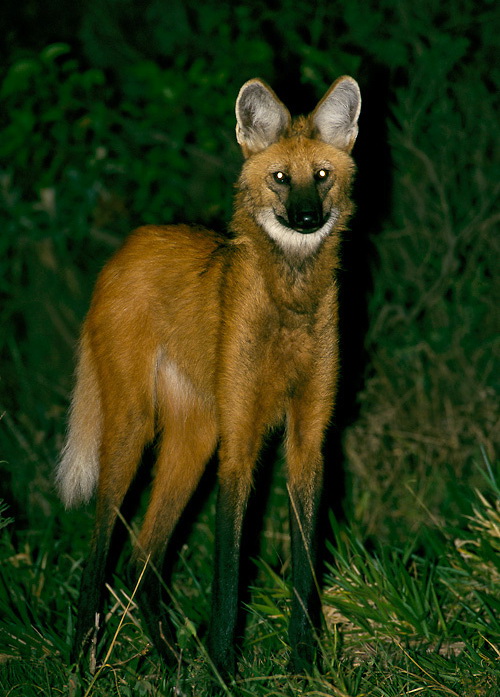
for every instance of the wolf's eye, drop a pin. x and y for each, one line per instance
(281, 177)
(321, 175)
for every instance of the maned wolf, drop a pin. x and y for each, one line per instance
(201, 341)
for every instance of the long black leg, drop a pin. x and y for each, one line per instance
(120, 457)
(231, 505)
(160, 628)
(91, 586)
(306, 600)
(186, 447)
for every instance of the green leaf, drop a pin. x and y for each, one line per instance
(19, 77)
(50, 53)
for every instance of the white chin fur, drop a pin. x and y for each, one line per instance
(290, 240)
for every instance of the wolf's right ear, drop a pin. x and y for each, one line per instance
(260, 117)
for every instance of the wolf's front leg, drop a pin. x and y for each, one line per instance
(306, 425)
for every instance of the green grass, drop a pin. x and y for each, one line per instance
(424, 619)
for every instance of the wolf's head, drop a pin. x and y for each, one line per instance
(296, 178)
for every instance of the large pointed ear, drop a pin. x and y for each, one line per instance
(260, 117)
(335, 118)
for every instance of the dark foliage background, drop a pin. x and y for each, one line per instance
(114, 113)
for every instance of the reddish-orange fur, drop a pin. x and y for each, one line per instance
(202, 340)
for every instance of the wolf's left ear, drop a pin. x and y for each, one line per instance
(260, 117)
(335, 119)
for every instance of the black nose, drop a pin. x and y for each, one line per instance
(307, 220)
(304, 209)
